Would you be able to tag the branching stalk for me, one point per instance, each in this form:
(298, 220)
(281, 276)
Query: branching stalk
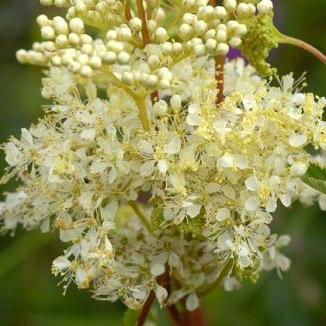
(140, 101)
(143, 113)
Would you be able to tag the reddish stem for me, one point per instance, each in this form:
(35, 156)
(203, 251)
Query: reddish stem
(128, 12)
(164, 281)
(171, 310)
(146, 309)
(154, 96)
(195, 318)
(142, 16)
(219, 77)
(219, 71)
(175, 315)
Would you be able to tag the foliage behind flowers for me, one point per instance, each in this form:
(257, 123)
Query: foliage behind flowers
(134, 116)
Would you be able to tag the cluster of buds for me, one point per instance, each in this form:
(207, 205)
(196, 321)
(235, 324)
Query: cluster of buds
(203, 30)
(66, 44)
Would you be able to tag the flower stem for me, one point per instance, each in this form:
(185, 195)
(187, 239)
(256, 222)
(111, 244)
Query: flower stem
(172, 310)
(223, 273)
(175, 315)
(146, 309)
(142, 16)
(139, 100)
(154, 96)
(219, 71)
(140, 215)
(164, 281)
(301, 44)
(194, 318)
(141, 103)
(219, 77)
(127, 11)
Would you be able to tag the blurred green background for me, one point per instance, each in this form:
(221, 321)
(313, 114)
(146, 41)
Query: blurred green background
(29, 294)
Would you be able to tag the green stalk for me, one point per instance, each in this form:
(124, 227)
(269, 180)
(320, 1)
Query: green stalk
(140, 215)
(305, 46)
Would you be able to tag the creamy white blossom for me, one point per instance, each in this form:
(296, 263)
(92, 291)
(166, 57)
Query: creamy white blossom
(143, 183)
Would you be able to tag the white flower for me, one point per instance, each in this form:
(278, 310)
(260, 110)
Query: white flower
(163, 166)
(13, 155)
(108, 214)
(322, 202)
(286, 200)
(252, 203)
(161, 294)
(138, 169)
(223, 214)
(230, 284)
(298, 169)
(157, 269)
(226, 161)
(193, 118)
(297, 140)
(192, 210)
(252, 183)
(82, 278)
(174, 146)
(147, 168)
(61, 264)
(88, 134)
(192, 302)
(249, 102)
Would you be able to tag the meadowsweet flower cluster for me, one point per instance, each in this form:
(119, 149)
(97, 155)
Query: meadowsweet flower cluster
(135, 166)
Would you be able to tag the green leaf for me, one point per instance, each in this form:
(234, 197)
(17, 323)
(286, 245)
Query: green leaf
(316, 172)
(315, 177)
(130, 317)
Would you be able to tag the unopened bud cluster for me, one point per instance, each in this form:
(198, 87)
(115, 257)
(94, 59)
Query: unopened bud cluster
(203, 30)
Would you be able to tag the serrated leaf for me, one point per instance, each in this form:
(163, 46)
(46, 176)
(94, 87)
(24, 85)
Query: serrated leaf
(315, 177)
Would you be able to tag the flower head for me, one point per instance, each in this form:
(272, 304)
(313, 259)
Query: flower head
(137, 168)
